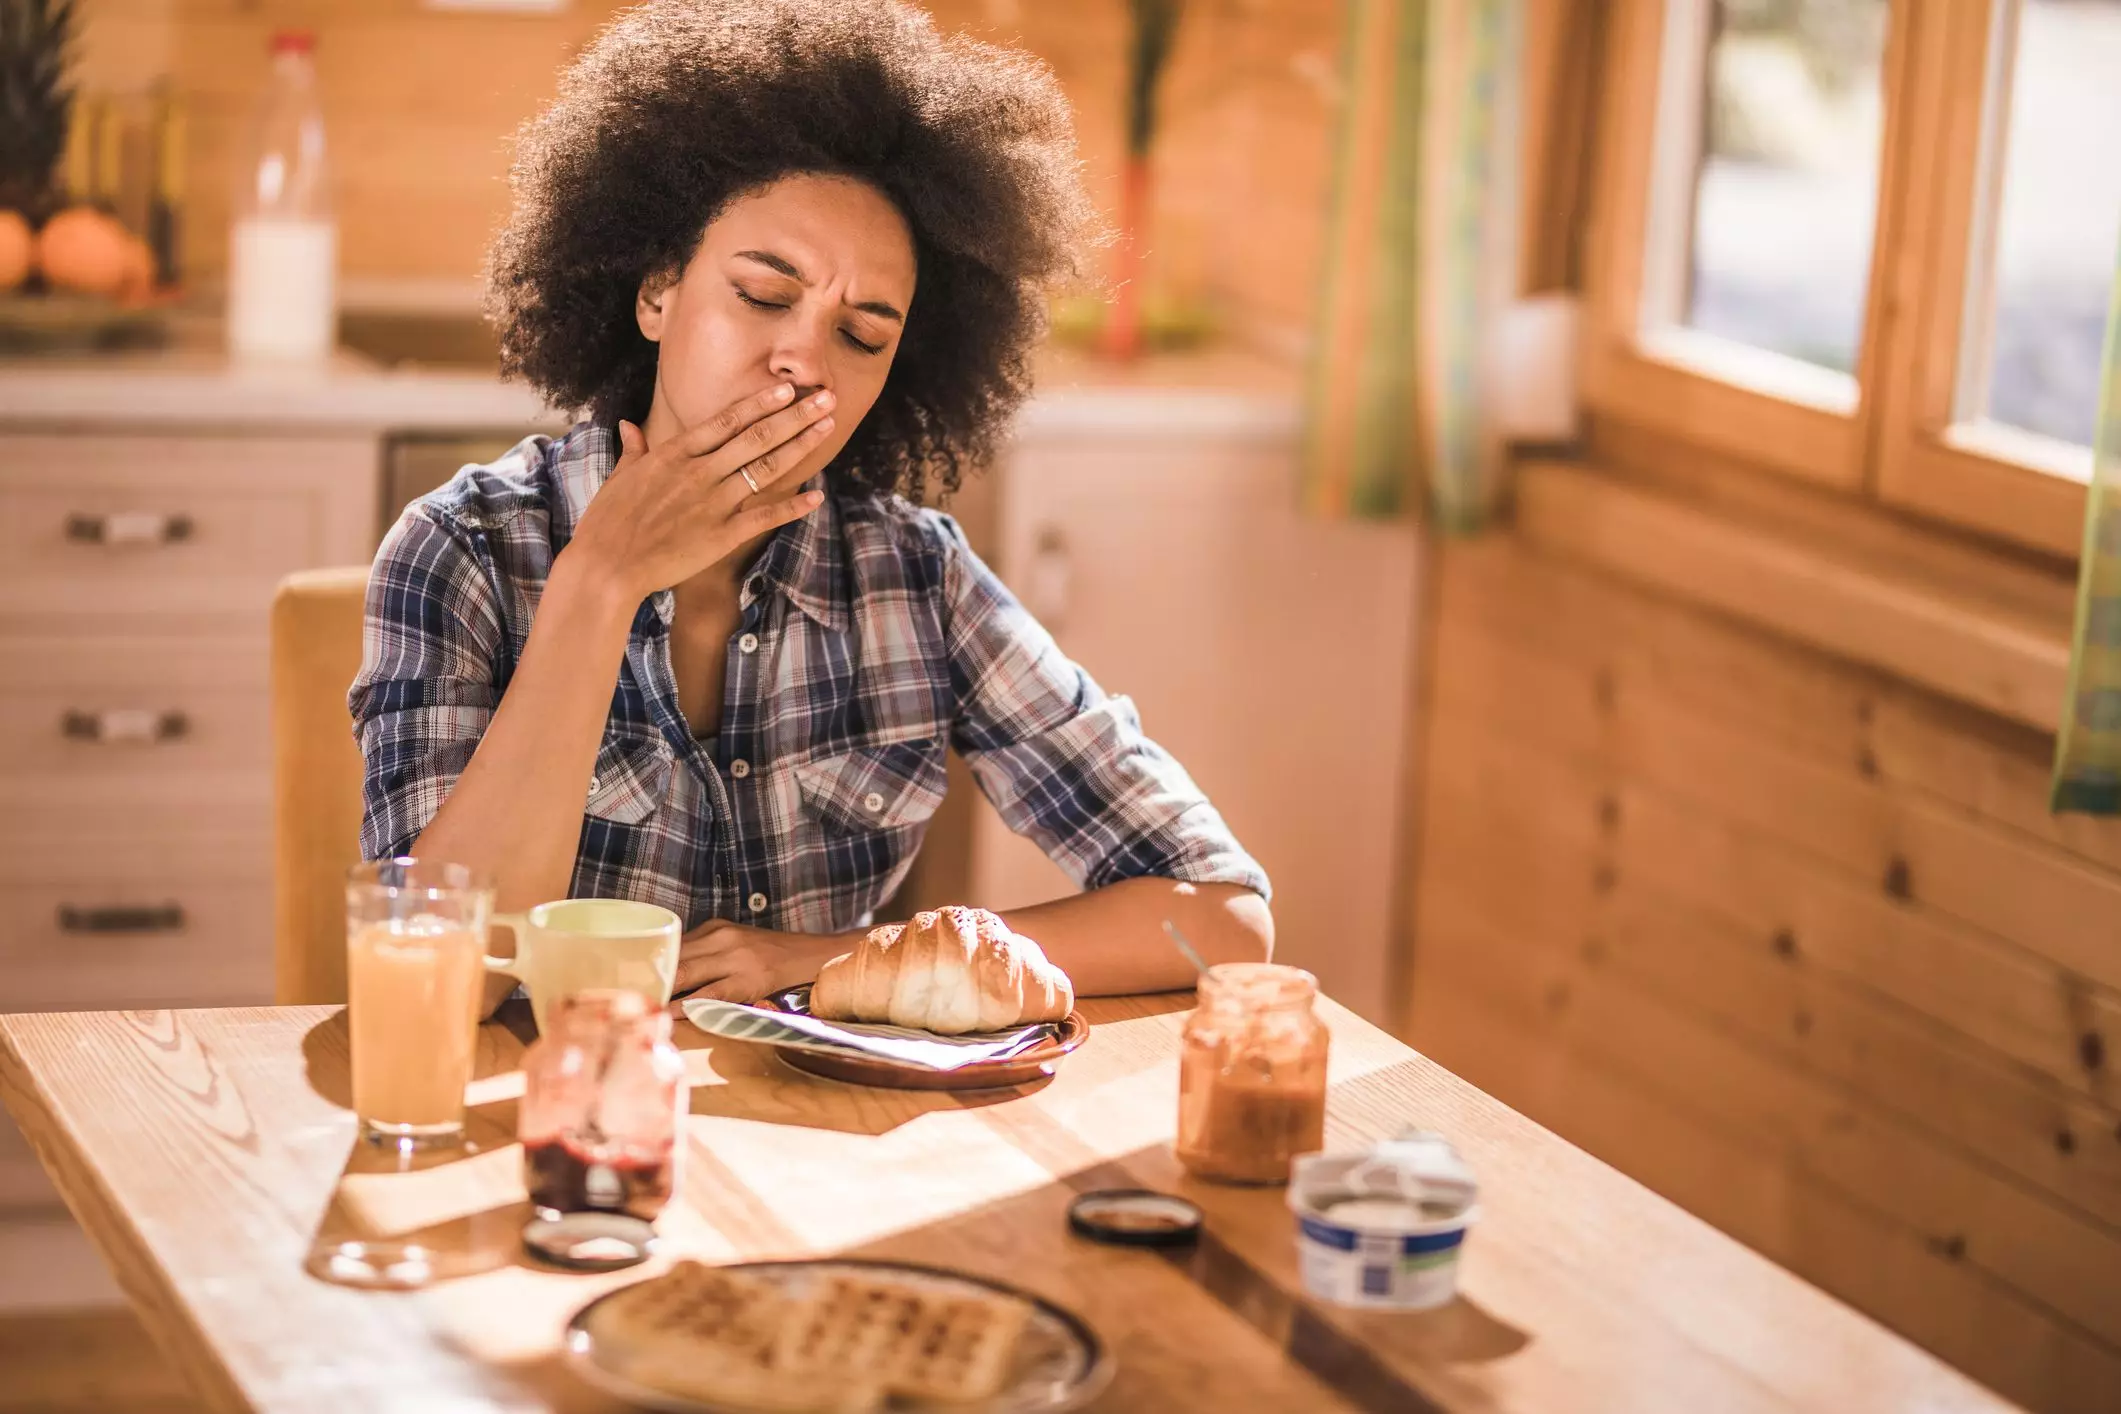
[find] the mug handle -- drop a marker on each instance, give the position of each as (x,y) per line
(517,966)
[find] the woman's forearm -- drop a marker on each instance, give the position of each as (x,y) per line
(1111,941)
(516,812)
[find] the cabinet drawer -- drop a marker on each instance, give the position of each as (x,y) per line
(147,942)
(86,845)
(153,526)
(128,720)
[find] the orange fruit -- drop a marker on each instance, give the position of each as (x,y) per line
(84,250)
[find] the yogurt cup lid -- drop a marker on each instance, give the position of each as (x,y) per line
(1417,1168)
(1374,1213)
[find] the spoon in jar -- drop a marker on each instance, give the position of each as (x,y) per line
(1171,929)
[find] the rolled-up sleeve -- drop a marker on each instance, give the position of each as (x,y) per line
(426,689)
(1066,764)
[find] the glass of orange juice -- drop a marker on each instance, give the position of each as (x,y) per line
(415,969)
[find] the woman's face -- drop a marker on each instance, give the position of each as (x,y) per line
(809,282)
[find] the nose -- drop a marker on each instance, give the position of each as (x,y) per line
(799,356)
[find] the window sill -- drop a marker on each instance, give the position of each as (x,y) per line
(2007,658)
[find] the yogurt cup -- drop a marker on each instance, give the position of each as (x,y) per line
(1383,1228)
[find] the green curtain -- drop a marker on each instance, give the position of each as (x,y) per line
(2088,748)
(1420,248)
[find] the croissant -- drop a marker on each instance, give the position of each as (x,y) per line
(952,970)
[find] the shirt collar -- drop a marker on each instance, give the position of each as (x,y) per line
(802,559)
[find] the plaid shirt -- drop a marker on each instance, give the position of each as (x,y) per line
(871,639)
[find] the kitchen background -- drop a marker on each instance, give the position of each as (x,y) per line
(420,99)
(1716,836)
(156,491)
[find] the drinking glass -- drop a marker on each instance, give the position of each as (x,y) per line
(415,972)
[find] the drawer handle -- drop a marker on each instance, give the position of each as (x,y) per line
(124,724)
(129,528)
(139,918)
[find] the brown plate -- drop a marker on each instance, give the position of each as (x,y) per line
(1023,1068)
(1060,1363)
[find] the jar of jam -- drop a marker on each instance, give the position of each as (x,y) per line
(604,1096)
(1252,1074)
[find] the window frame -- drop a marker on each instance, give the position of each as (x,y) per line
(1699,388)
(1978,476)
(1897,442)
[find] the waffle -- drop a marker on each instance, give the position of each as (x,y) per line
(840,1347)
(693,1306)
(850,1323)
(728,1380)
(710,1335)
(962,1348)
(920,1344)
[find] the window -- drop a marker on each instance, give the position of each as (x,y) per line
(1781,183)
(1741,174)
(1769,170)
(2037,297)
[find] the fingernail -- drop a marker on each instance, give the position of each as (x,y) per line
(824,424)
(822,400)
(784,392)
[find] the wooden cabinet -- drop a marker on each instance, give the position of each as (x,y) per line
(136,574)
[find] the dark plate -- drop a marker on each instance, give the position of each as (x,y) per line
(1022,1068)
(1060,1362)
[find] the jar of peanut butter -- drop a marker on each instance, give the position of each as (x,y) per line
(1252,1074)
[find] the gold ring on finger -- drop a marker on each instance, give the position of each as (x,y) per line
(745,472)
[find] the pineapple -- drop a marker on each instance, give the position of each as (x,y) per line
(36,102)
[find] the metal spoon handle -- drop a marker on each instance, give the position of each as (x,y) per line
(1185,947)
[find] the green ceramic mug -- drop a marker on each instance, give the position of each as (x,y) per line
(574,944)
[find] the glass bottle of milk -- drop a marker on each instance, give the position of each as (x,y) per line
(284,246)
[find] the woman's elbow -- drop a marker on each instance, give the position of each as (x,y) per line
(1251,930)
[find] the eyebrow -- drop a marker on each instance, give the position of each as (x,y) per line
(774,262)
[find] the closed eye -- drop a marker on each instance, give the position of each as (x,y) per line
(756,303)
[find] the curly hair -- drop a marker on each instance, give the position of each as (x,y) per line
(681,106)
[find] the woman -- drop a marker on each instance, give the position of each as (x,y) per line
(704,651)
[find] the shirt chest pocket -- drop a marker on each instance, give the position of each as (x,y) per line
(876,787)
(631,779)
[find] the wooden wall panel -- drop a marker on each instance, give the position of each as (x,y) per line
(1618,920)
(1732,1182)
(421,105)
(1792,942)
(1773,888)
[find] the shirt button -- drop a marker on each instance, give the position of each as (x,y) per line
(872,802)
(749,643)
(740,768)
(592,785)
(757,902)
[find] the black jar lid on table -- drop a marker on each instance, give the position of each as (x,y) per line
(1135,1217)
(590,1242)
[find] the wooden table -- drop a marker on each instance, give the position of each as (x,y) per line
(209,1152)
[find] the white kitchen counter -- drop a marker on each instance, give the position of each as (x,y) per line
(201,390)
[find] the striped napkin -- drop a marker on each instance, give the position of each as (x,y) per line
(895,1043)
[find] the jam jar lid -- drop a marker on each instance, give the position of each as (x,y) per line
(590,1242)
(1135,1217)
